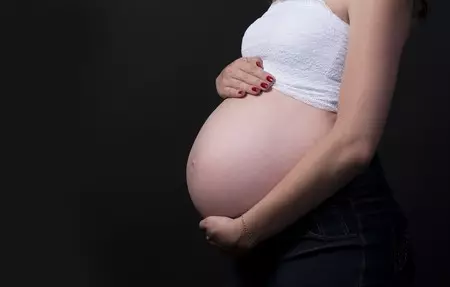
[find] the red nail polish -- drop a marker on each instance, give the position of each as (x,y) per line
(259,64)
(241,92)
(254,89)
(270,79)
(264,85)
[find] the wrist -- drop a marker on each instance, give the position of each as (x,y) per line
(249,236)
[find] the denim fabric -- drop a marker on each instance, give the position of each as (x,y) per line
(358,237)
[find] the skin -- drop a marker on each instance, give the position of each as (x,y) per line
(244,76)
(378,32)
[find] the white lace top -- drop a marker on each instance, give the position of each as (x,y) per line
(304,45)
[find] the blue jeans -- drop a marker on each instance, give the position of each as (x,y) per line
(358,237)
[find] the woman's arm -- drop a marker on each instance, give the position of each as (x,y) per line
(378,31)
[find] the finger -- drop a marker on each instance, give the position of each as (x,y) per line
(259,73)
(254,60)
(254,65)
(203,224)
(247,82)
(234,93)
(258,79)
(238,77)
(214,244)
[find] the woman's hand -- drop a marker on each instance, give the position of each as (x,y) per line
(225,233)
(244,75)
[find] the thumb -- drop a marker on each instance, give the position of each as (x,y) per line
(203,223)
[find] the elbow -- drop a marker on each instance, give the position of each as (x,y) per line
(356,154)
(359,155)
(362,154)
(355,148)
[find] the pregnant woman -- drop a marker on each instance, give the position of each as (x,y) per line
(285,170)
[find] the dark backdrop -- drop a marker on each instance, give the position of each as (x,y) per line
(128,84)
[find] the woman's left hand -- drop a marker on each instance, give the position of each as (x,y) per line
(225,233)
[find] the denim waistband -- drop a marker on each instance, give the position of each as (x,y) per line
(365,204)
(370,182)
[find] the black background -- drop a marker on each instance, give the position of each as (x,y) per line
(123,87)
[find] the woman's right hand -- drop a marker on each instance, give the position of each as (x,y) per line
(245,75)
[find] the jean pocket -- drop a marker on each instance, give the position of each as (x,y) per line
(327,227)
(331,222)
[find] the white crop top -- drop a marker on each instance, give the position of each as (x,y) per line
(304,45)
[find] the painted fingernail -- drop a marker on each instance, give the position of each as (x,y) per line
(254,89)
(241,92)
(264,85)
(270,79)
(259,64)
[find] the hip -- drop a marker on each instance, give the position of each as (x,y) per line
(358,236)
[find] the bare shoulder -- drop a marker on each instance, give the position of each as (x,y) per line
(387,7)
(389,17)
(339,8)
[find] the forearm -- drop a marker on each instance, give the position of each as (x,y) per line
(321,172)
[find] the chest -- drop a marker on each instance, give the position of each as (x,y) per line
(304,35)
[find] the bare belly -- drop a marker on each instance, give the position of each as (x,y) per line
(246,146)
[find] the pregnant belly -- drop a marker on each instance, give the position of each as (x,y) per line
(246,146)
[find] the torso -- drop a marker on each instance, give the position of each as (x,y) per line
(247,145)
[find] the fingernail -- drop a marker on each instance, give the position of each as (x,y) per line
(241,92)
(254,89)
(270,79)
(259,64)
(264,85)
